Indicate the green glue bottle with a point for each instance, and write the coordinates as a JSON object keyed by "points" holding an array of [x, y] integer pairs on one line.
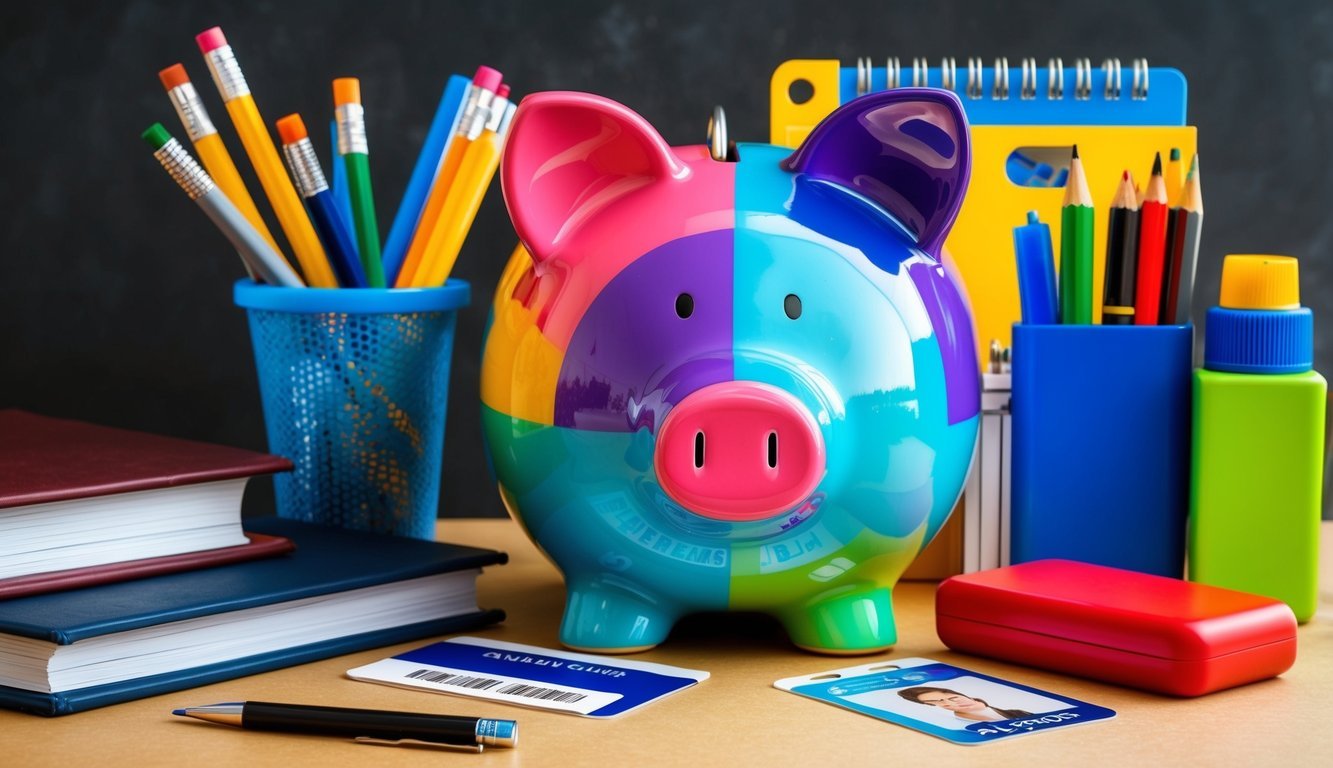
{"points": [[1257, 464]]}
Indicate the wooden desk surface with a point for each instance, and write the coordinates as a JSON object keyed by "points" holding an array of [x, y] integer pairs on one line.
{"points": [[736, 717]]}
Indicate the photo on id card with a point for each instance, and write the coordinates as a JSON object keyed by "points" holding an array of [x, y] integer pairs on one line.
{"points": [[950, 702]]}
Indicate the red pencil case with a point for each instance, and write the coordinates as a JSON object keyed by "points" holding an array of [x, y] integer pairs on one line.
{"points": [[1123, 627]]}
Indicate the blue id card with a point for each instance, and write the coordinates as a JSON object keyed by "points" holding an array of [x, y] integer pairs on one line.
{"points": [[578, 683], [955, 704]]}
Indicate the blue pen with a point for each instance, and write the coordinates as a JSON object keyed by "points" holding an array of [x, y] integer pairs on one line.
{"points": [[423, 174], [339, 244], [342, 194], [1036, 272]]}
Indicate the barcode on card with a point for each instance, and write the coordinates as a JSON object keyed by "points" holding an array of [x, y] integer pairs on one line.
{"points": [[545, 694], [474, 683], [459, 681]]}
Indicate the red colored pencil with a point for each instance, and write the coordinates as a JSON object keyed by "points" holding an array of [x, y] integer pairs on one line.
{"points": [[1152, 249]]}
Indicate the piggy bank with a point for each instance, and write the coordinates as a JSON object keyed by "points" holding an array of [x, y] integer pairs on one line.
{"points": [[731, 386]]}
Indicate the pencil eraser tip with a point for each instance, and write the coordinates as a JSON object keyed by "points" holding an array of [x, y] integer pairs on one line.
{"points": [[210, 39], [291, 129], [503, 91], [156, 136], [346, 90], [179, 713], [487, 78], [173, 76]]}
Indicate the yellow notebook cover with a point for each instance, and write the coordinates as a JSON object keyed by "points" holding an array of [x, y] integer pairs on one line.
{"points": [[981, 244]]}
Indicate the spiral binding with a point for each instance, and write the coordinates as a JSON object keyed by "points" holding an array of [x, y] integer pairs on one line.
{"points": [[1055, 77]]}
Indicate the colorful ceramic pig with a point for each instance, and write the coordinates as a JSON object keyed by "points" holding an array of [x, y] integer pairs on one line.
{"points": [[737, 385]]}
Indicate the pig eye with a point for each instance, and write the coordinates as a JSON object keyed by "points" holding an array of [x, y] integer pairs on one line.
{"points": [[792, 305], [684, 305]]}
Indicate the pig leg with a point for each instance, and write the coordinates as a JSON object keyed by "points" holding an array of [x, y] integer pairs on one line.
{"points": [[609, 615], [859, 621]]}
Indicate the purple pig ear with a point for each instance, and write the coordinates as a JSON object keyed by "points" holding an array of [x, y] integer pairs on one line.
{"points": [[906, 149], [569, 156]]}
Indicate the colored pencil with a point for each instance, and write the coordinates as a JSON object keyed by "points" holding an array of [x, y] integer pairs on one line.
{"points": [[1152, 249], [208, 143], [260, 258], [1183, 249], [465, 196], [476, 112], [1122, 229], [338, 179], [1076, 235], [355, 150], [263, 155], [1174, 176], [338, 241], [433, 149]]}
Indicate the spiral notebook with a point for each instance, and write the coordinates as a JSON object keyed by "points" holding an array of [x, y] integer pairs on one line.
{"points": [[1024, 120]]}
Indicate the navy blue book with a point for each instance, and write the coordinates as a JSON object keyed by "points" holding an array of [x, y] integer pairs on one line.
{"points": [[338, 592]]}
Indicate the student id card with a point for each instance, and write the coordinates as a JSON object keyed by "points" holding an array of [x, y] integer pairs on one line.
{"points": [[578, 683], [950, 702]]}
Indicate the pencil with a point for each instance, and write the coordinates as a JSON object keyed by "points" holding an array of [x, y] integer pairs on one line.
{"points": [[433, 149], [1122, 228], [304, 165], [258, 145], [465, 196], [338, 179], [476, 112], [1174, 177], [260, 258], [208, 143], [355, 151], [1076, 233], [1152, 249], [1183, 246]]}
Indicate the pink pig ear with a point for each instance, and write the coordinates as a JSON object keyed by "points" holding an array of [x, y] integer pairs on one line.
{"points": [[569, 156], [906, 149]]}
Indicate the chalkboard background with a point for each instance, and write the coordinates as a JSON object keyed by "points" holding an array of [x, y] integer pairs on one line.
{"points": [[115, 296]]}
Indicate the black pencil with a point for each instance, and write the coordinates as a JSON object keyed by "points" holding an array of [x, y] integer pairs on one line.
{"points": [[1122, 237]]}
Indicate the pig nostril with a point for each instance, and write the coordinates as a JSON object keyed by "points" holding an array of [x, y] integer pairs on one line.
{"points": [[699, 450], [772, 450]]}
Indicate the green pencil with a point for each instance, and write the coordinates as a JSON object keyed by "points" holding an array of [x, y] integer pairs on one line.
{"points": [[1076, 234], [355, 151]]}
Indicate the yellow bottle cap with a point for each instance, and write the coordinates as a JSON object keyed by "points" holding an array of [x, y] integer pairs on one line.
{"points": [[1253, 281]]}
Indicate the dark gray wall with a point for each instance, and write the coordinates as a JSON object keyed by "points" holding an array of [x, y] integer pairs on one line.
{"points": [[115, 300]]}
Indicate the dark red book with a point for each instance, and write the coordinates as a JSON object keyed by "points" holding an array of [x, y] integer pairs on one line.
{"points": [[44, 459], [75, 496], [259, 546]]}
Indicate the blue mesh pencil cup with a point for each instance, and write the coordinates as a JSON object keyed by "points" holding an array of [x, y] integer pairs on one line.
{"points": [[355, 385]]}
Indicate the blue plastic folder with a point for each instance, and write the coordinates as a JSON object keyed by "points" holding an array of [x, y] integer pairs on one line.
{"points": [[326, 561], [1101, 445]]}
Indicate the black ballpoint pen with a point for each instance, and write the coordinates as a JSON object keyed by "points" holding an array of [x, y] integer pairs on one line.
{"points": [[364, 725]]}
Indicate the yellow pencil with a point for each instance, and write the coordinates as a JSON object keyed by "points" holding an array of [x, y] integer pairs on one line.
{"points": [[478, 108], [204, 135], [264, 157], [465, 196]]}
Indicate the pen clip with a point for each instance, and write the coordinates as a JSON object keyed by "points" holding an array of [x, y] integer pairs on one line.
{"points": [[416, 743]]}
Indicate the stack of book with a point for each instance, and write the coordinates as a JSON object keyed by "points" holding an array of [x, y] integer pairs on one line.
{"points": [[125, 571]]}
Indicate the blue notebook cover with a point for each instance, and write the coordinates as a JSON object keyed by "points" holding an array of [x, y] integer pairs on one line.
{"points": [[326, 561]]}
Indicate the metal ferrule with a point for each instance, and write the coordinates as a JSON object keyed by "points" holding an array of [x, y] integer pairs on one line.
{"points": [[191, 110], [497, 113], [497, 733], [183, 168], [351, 120], [227, 73], [304, 164], [507, 119], [477, 114]]}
